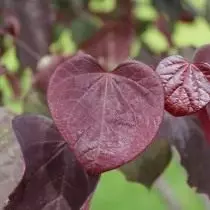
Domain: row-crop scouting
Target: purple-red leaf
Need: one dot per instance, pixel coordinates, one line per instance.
(186, 85)
(111, 44)
(106, 118)
(11, 158)
(53, 178)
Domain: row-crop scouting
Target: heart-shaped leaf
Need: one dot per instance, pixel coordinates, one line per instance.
(106, 118)
(11, 159)
(186, 85)
(53, 178)
(111, 44)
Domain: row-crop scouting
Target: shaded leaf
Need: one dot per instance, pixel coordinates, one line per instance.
(146, 168)
(111, 44)
(83, 28)
(53, 178)
(187, 136)
(204, 117)
(186, 85)
(11, 159)
(106, 118)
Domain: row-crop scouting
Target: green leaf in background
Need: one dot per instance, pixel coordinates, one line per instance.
(147, 167)
(115, 193)
(83, 28)
(170, 192)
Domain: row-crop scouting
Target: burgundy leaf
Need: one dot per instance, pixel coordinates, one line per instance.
(106, 118)
(202, 54)
(111, 44)
(11, 159)
(53, 178)
(186, 135)
(186, 85)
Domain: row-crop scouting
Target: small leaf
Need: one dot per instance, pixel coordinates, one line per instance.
(111, 44)
(186, 85)
(146, 168)
(11, 159)
(106, 118)
(53, 178)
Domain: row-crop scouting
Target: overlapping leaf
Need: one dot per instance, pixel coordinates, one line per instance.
(53, 178)
(11, 159)
(187, 136)
(106, 118)
(186, 85)
(150, 165)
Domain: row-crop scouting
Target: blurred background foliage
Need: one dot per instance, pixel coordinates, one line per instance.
(36, 35)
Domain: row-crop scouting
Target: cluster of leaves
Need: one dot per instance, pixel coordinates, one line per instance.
(105, 110)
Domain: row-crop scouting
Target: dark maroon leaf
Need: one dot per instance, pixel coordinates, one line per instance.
(202, 54)
(187, 136)
(106, 118)
(11, 159)
(111, 44)
(53, 178)
(186, 85)
(147, 167)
